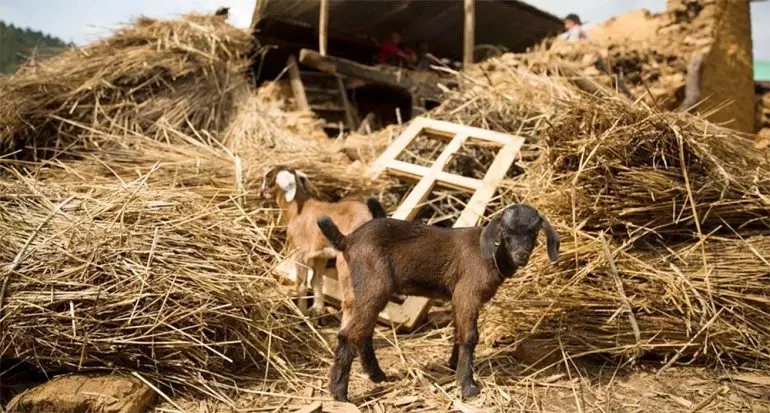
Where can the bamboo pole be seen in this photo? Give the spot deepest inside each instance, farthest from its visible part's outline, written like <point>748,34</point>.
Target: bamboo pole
<point>323,27</point>
<point>470,29</point>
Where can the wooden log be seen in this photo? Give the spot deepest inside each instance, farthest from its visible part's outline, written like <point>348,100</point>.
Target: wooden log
<point>297,87</point>
<point>423,83</point>
<point>323,27</point>
<point>259,9</point>
<point>470,30</point>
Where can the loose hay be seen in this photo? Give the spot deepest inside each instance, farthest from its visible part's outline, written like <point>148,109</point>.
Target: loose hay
<point>159,261</point>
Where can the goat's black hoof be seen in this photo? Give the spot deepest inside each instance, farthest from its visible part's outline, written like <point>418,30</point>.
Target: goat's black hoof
<point>378,377</point>
<point>470,390</point>
<point>343,398</point>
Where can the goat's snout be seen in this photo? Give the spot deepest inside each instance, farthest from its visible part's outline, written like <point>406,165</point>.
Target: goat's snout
<point>520,258</point>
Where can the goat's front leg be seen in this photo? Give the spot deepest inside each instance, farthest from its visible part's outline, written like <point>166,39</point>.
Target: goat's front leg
<point>455,350</point>
<point>466,338</point>
<point>301,270</point>
<point>319,265</point>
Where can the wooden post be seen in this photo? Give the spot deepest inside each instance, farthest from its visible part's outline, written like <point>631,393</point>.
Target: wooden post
<point>323,27</point>
<point>349,114</point>
<point>470,30</point>
<point>297,88</point>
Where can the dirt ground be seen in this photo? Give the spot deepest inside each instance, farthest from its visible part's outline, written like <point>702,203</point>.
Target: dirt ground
<point>511,380</point>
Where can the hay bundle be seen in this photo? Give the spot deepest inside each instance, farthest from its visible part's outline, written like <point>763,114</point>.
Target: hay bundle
<point>124,273</point>
<point>681,204</point>
<point>160,260</point>
<point>156,73</point>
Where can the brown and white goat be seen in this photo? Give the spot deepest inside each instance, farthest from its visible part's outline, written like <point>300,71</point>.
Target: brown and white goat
<point>466,265</point>
<point>291,190</point>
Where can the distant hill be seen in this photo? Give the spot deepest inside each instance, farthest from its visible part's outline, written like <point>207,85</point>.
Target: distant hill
<point>17,44</point>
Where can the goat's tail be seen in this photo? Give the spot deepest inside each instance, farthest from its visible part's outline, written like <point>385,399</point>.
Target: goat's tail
<point>376,208</point>
<point>331,232</point>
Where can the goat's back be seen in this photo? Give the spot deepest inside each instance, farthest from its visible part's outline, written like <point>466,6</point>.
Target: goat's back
<point>422,259</point>
<point>346,214</point>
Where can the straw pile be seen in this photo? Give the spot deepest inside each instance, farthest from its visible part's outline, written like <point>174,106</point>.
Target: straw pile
<point>663,220</point>
<point>141,244</point>
<point>181,74</point>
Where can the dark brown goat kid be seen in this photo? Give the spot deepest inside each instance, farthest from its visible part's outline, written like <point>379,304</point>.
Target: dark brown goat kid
<point>467,265</point>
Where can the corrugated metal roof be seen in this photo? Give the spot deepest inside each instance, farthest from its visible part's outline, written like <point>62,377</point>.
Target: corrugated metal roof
<point>510,23</point>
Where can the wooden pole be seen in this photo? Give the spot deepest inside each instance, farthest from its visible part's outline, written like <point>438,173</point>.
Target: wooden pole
<point>323,27</point>
<point>470,29</point>
<point>297,87</point>
<point>349,115</point>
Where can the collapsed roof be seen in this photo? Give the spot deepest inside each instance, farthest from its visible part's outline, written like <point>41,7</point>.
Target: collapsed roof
<point>512,24</point>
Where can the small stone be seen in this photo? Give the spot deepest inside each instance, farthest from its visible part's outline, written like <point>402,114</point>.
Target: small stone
<point>80,393</point>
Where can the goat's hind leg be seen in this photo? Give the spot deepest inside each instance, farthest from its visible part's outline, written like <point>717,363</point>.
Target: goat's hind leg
<point>356,334</point>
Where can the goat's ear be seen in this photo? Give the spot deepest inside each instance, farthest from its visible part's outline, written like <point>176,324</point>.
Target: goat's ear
<point>552,237</point>
<point>490,239</point>
<point>304,180</point>
<point>288,184</point>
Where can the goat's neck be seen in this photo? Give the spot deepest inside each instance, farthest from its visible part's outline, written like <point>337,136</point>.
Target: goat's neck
<point>503,262</point>
<point>291,208</point>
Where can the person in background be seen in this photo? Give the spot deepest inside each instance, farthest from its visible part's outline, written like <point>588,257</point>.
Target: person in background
<point>392,53</point>
<point>574,28</point>
<point>423,63</point>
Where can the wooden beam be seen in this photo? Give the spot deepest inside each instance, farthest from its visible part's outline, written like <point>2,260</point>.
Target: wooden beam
<point>423,84</point>
<point>477,205</point>
<point>470,31</point>
<point>350,115</point>
<point>323,27</point>
<point>259,9</point>
<point>297,87</point>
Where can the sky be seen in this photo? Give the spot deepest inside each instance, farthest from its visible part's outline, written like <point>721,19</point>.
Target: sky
<point>83,21</point>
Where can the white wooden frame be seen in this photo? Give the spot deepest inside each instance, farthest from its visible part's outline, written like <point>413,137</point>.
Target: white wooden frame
<point>408,314</point>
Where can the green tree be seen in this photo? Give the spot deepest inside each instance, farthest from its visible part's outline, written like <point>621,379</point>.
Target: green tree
<point>17,44</point>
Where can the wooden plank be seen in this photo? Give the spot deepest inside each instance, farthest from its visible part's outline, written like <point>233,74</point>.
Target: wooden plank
<point>297,87</point>
<point>470,31</point>
<point>396,147</point>
<point>444,179</point>
<point>475,208</point>
<point>409,208</point>
<point>323,27</point>
<point>446,155</point>
<point>440,127</point>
